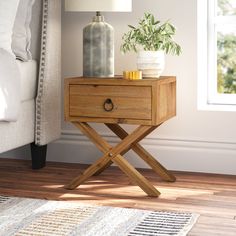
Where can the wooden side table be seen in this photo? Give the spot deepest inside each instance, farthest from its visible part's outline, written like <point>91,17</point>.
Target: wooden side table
<point>113,101</point>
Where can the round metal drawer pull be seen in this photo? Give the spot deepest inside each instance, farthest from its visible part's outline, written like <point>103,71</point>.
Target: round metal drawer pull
<point>108,105</point>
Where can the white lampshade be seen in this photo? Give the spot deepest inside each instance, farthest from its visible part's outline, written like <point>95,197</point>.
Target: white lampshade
<point>99,5</point>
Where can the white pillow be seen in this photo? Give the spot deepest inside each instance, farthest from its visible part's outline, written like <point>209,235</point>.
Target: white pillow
<point>21,37</point>
<point>8,10</point>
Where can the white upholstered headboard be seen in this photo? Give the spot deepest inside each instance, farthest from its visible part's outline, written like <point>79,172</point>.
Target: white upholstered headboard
<point>46,49</point>
<point>36,28</point>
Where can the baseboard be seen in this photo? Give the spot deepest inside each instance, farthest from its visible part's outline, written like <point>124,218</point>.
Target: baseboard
<point>176,154</point>
<point>22,153</point>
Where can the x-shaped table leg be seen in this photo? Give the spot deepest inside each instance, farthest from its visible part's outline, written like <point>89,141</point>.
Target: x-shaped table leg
<point>114,154</point>
<point>147,157</point>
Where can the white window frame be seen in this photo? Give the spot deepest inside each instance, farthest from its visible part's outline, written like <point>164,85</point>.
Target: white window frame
<point>208,97</point>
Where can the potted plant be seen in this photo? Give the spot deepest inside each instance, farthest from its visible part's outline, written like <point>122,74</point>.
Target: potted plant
<point>151,39</point>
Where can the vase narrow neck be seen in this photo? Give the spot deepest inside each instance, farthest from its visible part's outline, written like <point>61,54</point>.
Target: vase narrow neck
<point>98,17</point>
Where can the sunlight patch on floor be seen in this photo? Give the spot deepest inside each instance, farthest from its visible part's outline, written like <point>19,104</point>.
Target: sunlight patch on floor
<point>54,186</point>
<point>172,193</point>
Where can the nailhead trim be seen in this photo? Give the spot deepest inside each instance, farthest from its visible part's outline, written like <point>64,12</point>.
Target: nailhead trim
<point>41,72</point>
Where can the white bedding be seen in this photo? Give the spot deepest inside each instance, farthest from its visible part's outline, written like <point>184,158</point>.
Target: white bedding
<point>29,73</point>
<point>9,87</point>
<point>18,81</point>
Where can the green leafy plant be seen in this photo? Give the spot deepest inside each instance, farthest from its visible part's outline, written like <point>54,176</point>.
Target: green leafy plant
<point>151,35</point>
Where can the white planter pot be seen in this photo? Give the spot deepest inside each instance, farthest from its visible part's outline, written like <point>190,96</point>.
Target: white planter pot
<point>151,63</point>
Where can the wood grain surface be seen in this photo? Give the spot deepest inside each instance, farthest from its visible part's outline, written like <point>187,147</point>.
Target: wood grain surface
<point>146,102</point>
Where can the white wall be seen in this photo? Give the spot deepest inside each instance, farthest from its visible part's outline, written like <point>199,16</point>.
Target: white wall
<point>194,140</point>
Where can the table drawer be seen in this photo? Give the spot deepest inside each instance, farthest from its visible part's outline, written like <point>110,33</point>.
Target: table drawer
<point>119,102</point>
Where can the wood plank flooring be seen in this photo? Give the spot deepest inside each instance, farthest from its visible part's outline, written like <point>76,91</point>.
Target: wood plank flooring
<point>212,196</point>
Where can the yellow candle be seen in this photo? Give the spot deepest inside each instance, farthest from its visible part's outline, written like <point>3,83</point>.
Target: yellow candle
<point>132,75</point>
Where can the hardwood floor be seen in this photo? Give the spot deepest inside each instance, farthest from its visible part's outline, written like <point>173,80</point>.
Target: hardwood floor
<point>212,196</point>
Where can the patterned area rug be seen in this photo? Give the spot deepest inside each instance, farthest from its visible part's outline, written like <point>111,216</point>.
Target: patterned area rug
<point>24,217</point>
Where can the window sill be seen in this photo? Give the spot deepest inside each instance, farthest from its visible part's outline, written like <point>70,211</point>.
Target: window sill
<point>216,107</point>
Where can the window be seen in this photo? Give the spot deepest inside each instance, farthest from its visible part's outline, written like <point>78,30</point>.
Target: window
<point>217,50</point>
